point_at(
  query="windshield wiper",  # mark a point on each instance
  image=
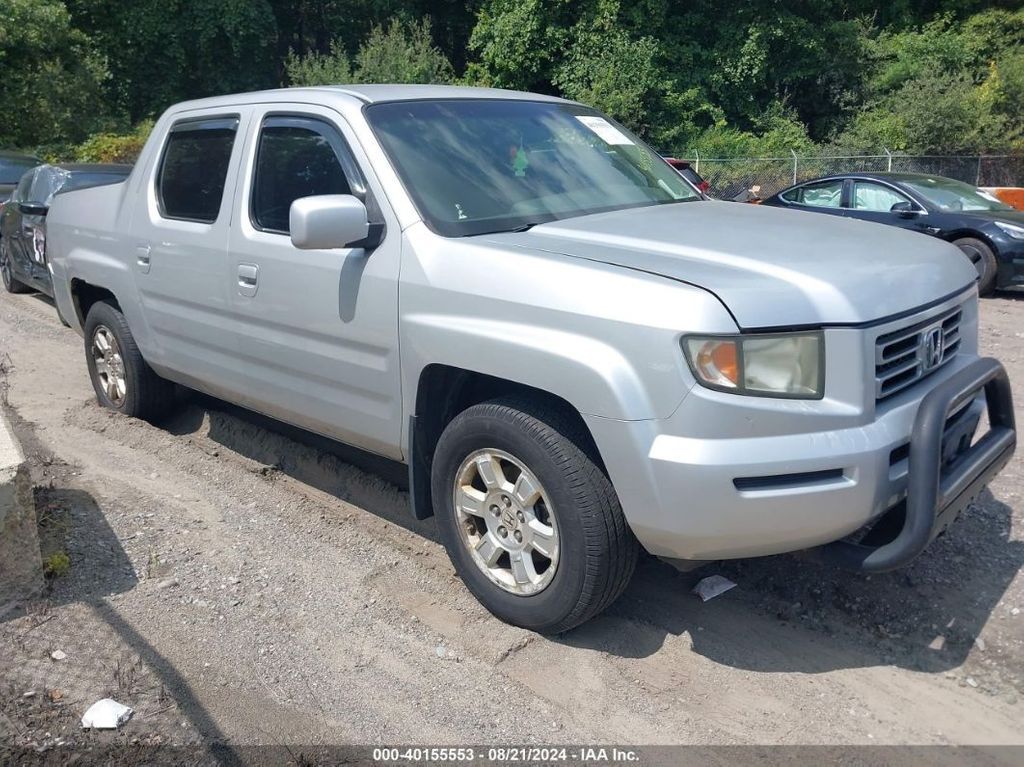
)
(528, 226)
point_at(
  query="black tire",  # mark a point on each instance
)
(146, 395)
(11, 284)
(597, 550)
(984, 260)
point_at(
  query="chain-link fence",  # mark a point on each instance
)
(732, 177)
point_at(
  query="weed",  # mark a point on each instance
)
(56, 565)
(126, 676)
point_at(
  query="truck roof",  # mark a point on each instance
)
(370, 94)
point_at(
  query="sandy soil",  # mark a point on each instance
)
(237, 583)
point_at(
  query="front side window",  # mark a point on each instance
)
(870, 196)
(296, 157)
(194, 169)
(822, 194)
(474, 166)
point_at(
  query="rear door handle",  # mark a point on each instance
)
(248, 279)
(142, 257)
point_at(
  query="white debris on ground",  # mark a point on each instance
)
(712, 586)
(106, 714)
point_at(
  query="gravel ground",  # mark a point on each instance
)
(237, 583)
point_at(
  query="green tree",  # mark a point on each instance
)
(401, 52)
(947, 86)
(164, 51)
(52, 83)
(315, 68)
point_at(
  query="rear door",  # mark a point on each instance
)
(320, 327)
(180, 258)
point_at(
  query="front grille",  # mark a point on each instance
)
(899, 360)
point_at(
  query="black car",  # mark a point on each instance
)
(988, 231)
(23, 220)
(12, 168)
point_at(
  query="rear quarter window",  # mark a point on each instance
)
(194, 169)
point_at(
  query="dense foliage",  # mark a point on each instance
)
(745, 77)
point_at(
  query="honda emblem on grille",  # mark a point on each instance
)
(932, 348)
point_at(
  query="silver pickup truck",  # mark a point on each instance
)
(574, 351)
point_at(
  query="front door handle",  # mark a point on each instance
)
(142, 257)
(248, 279)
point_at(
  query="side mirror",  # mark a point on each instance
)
(904, 209)
(330, 221)
(33, 208)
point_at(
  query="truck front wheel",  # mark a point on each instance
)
(530, 521)
(120, 376)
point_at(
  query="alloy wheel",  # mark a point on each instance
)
(506, 521)
(110, 369)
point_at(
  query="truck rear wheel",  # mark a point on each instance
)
(530, 521)
(120, 376)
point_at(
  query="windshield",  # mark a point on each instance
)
(949, 195)
(474, 166)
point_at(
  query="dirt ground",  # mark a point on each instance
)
(240, 584)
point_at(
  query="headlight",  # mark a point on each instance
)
(768, 365)
(1016, 232)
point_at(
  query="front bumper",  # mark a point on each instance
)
(946, 471)
(700, 498)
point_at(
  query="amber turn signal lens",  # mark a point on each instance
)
(718, 363)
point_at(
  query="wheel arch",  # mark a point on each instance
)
(442, 392)
(959, 234)
(1003, 268)
(84, 295)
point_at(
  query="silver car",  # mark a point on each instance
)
(576, 354)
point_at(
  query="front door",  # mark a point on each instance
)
(320, 327)
(872, 201)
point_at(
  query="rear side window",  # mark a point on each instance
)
(194, 169)
(297, 157)
(821, 194)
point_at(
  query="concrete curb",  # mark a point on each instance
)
(21, 569)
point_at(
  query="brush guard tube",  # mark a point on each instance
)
(937, 493)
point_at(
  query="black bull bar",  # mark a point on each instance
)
(937, 489)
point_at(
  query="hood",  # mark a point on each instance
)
(770, 267)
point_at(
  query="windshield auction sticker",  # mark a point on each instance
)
(604, 129)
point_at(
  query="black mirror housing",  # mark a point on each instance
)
(903, 209)
(33, 208)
